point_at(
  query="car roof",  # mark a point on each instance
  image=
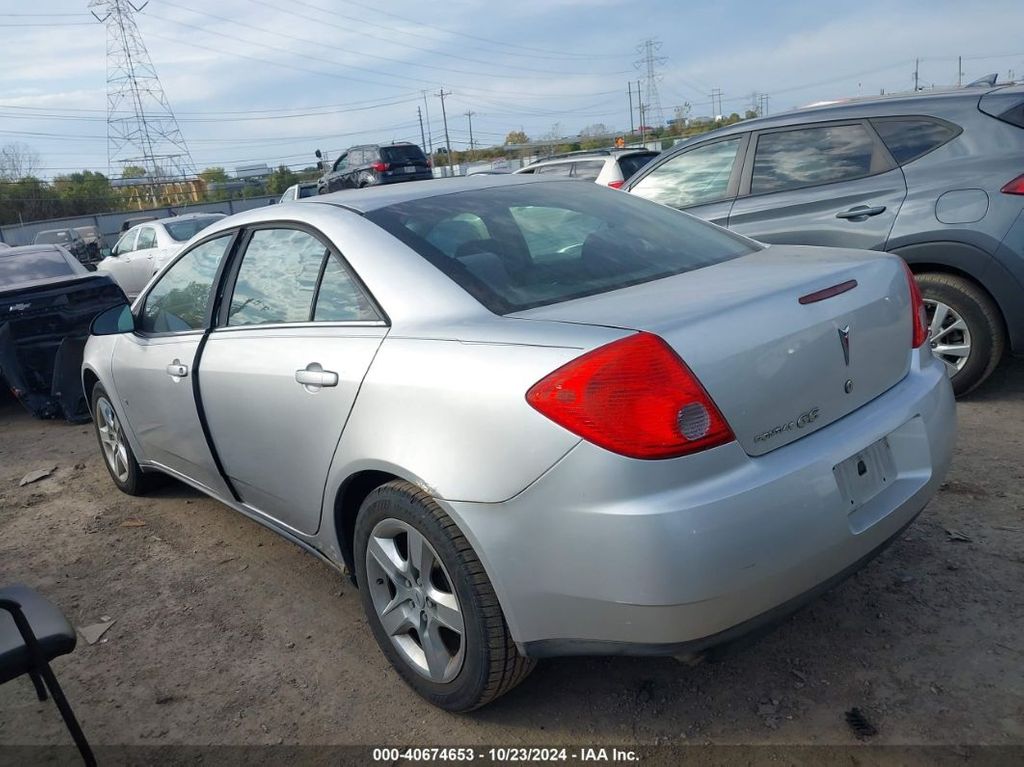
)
(28, 250)
(376, 197)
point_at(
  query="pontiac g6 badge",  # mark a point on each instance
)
(844, 341)
(804, 419)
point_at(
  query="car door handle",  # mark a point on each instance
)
(860, 212)
(177, 370)
(313, 377)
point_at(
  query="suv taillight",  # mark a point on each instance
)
(1014, 187)
(918, 315)
(616, 184)
(635, 397)
(380, 167)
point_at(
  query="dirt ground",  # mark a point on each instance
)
(224, 633)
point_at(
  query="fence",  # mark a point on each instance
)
(110, 223)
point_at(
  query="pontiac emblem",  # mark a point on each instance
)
(844, 340)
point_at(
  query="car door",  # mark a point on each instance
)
(118, 263)
(702, 179)
(833, 184)
(141, 269)
(154, 367)
(339, 173)
(280, 373)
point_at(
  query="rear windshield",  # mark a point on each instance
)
(307, 191)
(402, 154)
(29, 267)
(53, 237)
(185, 230)
(631, 163)
(532, 244)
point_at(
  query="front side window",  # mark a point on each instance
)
(180, 300)
(695, 177)
(546, 246)
(125, 245)
(340, 299)
(277, 278)
(147, 238)
(810, 156)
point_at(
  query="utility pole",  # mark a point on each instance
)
(716, 111)
(764, 104)
(430, 139)
(960, 71)
(469, 115)
(629, 89)
(643, 125)
(423, 137)
(444, 116)
(917, 63)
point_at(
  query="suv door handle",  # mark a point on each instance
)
(177, 370)
(860, 212)
(314, 377)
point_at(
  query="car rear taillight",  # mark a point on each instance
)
(1014, 187)
(380, 167)
(635, 397)
(616, 184)
(918, 315)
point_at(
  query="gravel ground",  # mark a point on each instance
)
(223, 633)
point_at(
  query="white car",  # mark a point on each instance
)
(608, 167)
(299, 192)
(145, 248)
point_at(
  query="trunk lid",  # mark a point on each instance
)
(775, 367)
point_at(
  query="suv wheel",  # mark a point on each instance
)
(429, 602)
(965, 329)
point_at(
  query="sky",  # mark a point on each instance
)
(254, 81)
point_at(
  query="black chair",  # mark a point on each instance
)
(35, 633)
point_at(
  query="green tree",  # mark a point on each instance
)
(281, 179)
(133, 171)
(85, 192)
(27, 199)
(214, 175)
(517, 137)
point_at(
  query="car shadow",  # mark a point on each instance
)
(1005, 383)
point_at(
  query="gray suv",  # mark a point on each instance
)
(936, 177)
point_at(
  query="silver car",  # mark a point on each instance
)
(532, 418)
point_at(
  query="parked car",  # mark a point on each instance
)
(131, 221)
(299, 191)
(94, 242)
(144, 249)
(69, 239)
(934, 177)
(533, 420)
(47, 300)
(609, 167)
(375, 164)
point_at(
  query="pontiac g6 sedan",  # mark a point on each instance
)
(533, 418)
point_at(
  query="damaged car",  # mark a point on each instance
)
(47, 303)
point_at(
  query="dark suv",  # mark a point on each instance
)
(935, 177)
(373, 164)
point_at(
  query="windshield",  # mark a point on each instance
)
(52, 237)
(36, 265)
(186, 230)
(517, 247)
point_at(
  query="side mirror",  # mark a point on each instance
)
(113, 321)
(106, 253)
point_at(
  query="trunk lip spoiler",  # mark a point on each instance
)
(830, 292)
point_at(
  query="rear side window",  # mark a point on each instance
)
(588, 170)
(695, 177)
(402, 155)
(180, 299)
(631, 163)
(147, 238)
(809, 156)
(546, 246)
(277, 278)
(340, 299)
(29, 267)
(907, 138)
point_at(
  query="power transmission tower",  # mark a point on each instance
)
(444, 116)
(716, 94)
(469, 115)
(649, 63)
(141, 128)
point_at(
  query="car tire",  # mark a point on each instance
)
(115, 449)
(488, 663)
(985, 334)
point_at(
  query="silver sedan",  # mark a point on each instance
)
(532, 420)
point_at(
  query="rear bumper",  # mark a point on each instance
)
(607, 555)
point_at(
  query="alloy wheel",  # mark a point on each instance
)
(115, 451)
(415, 600)
(948, 335)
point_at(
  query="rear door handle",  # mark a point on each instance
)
(314, 377)
(177, 370)
(860, 212)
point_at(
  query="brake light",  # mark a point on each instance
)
(380, 167)
(616, 184)
(1014, 187)
(635, 397)
(918, 314)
